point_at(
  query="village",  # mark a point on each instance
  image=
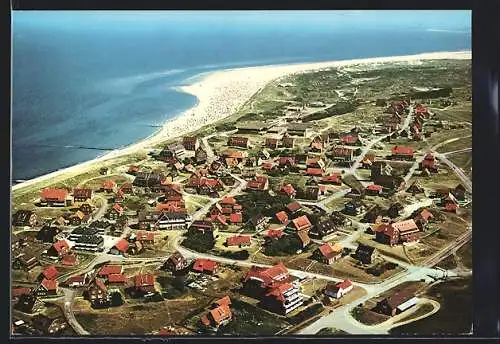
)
(336, 208)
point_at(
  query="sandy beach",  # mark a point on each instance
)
(221, 93)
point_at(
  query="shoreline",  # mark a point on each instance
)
(220, 94)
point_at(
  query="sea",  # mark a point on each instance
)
(87, 82)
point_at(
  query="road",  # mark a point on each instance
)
(69, 299)
(463, 177)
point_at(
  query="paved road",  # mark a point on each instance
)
(69, 299)
(463, 177)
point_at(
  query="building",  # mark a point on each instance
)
(272, 142)
(190, 143)
(260, 183)
(429, 163)
(323, 229)
(166, 220)
(238, 141)
(47, 234)
(24, 218)
(423, 218)
(82, 195)
(148, 179)
(335, 178)
(365, 254)
(120, 247)
(294, 207)
(373, 190)
(396, 303)
(459, 192)
(342, 154)
(98, 294)
(110, 269)
(48, 287)
(53, 197)
(76, 281)
(176, 262)
(338, 290)
(303, 238)
(449, 202)
(200, 156)
(329, 253)
(288, 190)
(298, 129)
(219, 315)
(350, 140)
(259, 221)
(251, 127)
(288, 142)
(415, 188)
(276, 288)
(49, 273)
(58, 249)
(397, 232)
(301, 223)
(316, 172)
(109, 186)
(239, 240)
(282, 217)
(205, 266)
(144, 283)
(402, 153)
(354, 207)
(147, 239)
(93, 243)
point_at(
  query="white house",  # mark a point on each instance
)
(339, 289)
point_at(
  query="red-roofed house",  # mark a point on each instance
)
(145, 238)
(115, 212)
(350, 140)
(55, 197)
(429, 163)
(239, 240)
(76, 281)
(81, 195)
(373, 190)
(59, 249)
(116, 279)
(329, 253)
(219, 315)
(236, 218)
(288, 190)
(282, 217)
(397, 232)
(302, 223)
(335, 178)
(69, 259)
(238, 141)
(205, 265)
(258, 183)
(423, 218)
(190, 143)
(120, 247)
(402, 153)
(337, 290)
(144, 283)
(47, 287)
(287, 161)
(341, 154)
(111, 269)
(317, 172)
(275, 233)
(109, 186)
(272, 142)
(294, 207)
(304, 238)
(49, 272)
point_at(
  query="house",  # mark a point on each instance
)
(78, 218)
(260, 183)
(365, 254)
(98, 293)
(24, 218)
(18, 292)
(343, 154)
(205, 266)
(459, 192)
(301, 223)
(423, 218)
(236, 218)
(147, 239)
(25, 261)
(350, 140)
(415, 188)
(116, 279)
(294, 207)
(373, 215)
(54, 197)
(120, 247)
(239, 240)
(47, 234)
(144, 283)
(109, 186)
(176, 262)
(337, 290)
(171, 153)
(133, 169)
(397, 232)
(110, 269)
(200, 156)
(190, 143)
(373, 190)
(316, 163)
(272, 142)
(47, 325)
(58, 249)
(288, 190)
(429, 163)
(335, 178)
(303, 238)
(238, 141)
(328, 253)
(268, 166)
(317, 172)
(312, 192)
(148, 179)
(251, 127)
(402, 153)
(203, 226)
(115, 212)
(219, 315)
(323, 229)
(274, 233)
(395, 183)
(29, 303)
(396, 303)
(93, 243)
(259, 221)
(103, 171)
(317, 145)
(282, 217)
(49, 273)
(287, 161)
(276, 288)
(354, 207)
(47, 287)
(86, 208)
(82, 195)
(76, 281)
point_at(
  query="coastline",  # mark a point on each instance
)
(220, 94)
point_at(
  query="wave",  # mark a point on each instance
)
(127, 84)
(447, 31)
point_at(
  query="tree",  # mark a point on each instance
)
(116, 299)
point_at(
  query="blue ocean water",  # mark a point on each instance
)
(105, 79)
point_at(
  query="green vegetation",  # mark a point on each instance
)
(330, 331)
(256, 203)
(335, 110)
(240, 255)
(199, 241)
(420, 311)
(307, 313)
(284, 246)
